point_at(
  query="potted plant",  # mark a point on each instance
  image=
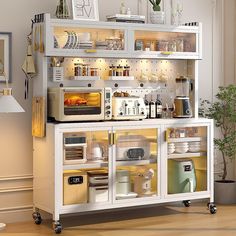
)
(223, 111)
(157, 16)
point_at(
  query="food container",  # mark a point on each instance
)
(114, 44)
(126, 70)
(172, 46)
(180, 45)
(122, 182)
(98, 194)
(93, 71)
(119, 70)
(85, 70)
(78, 69)
(132, 147)
(162, 46)
(98, 177)
(75, 187)
(139, 45)
(112, 70)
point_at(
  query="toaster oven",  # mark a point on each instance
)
(79, 103)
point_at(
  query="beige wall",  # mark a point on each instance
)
(15, 129)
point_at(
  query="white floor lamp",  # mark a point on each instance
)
(8, 104)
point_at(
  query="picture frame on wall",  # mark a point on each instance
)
(5, 56)
(85, 10)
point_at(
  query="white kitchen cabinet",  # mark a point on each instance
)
(133, 156)
(70, 38)
(117, 137)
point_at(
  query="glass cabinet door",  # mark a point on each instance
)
(136, 163)
(165, 42)
(88, 39)
(187, 163)
(86, 167)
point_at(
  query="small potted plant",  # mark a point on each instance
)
(223, 111)
(157, 16)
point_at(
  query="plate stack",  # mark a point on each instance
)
(102, 45)
(171, 148)
(181, 147)
(85, 44)
(195, 146)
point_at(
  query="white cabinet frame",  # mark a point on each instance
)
(48, 166)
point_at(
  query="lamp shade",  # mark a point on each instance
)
(8, 103)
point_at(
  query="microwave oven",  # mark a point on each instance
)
(79, 103)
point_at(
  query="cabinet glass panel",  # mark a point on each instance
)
(86, 173)
(187, 159)
(136, 163)
(165, 41)
(88, 38)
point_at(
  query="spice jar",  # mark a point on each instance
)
(139, 45)
(78, 69)
(126, 70)
(119, 70)
(85, 70)
(172, 46)
(112, 70)
(162, 46)
(180, 45)
(94, 71)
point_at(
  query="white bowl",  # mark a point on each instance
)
(195, 143)
(181, 145)
(181, 150)
(194, 149)
(171, 145)
(170, 151)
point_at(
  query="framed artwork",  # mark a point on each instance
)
(5, 56)
(85, 10)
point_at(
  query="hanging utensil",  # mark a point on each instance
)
(28, 66)
(41, 45)
(36, 45)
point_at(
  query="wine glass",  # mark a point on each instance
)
(171, 109)
(165, 108)
(179, 11)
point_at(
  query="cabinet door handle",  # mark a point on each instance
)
(90, 50)
(110, 139)
(167, 133)
(114, 138)
(167, 53)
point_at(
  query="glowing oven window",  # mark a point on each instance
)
(82, 103)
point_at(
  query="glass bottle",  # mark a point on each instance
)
(147, 106)
(152, 109)
(158, 107)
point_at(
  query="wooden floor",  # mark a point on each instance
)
(163, 220)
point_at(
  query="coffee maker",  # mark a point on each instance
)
(182, 103)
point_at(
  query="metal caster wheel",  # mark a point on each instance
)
(57, 228)
(187, 203)
(212, 208)
(37, 218)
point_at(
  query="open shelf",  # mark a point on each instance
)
(85, 78)
(188, 139)
(136, 162)
(186, 155)
(87, 165)
(126, 78)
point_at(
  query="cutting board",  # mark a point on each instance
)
(38, 117)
